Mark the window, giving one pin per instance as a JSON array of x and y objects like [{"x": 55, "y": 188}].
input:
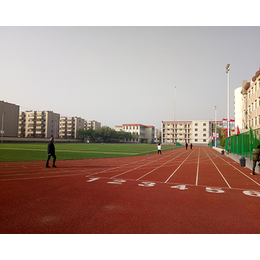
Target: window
[
  {"x": 204, "y": 124},
  {"x": 204, "y": 129},
  {"x": 196, "y": 124},
  {"x": 196, "y": 129},
  {"x": 204, "y": 140}
]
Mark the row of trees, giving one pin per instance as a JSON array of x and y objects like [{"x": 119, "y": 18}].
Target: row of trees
[{"x": 106, "y": 134}]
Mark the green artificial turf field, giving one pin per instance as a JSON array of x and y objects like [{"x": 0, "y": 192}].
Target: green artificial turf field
[{"x": 13, "y": 152}]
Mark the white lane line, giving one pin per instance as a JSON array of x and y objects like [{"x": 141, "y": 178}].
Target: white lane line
[
  {"x": 198, "y": 166},
  {"x": 218, "y": 170},
  {"x": 161, "y": 157},
  {"x": 179, "y": 166}
]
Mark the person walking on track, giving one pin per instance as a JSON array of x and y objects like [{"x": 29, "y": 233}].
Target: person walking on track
[
  {"x": 187, "y": 146},
  {"x": 191, "y": 146},
  {"x": 159, "y": 148},
  {"x": 256, "y": 158},
  {"x": 51, "y": 152}
]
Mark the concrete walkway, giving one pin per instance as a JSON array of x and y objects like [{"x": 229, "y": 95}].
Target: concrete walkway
[{"x": 235, "y": 157}]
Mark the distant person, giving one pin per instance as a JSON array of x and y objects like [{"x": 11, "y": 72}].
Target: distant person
[
  {"x": 51, "y": 152},
  {"x": 186, "y": 146},
  {"x": 159, "y": 149},
  {"x": 256, "y": 158},
  {"x": 191, "y": 146}
]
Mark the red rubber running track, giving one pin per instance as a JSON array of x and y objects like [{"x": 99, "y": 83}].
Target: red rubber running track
[{"x": 196, "y": 191}]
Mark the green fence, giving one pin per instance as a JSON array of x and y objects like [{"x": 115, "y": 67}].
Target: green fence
[{"x": 243, "y": 144}]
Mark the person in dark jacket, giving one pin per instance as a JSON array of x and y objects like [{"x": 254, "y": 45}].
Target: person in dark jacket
[
  {"x": 256, "y": 158},
  {"x": 51, "y": 152}
]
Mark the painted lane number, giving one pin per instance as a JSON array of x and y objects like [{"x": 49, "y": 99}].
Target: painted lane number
[
  {"x": 180, "y": 187},
  {"x": 116, "y": 182},
  {"x": 147, "y": 184}
]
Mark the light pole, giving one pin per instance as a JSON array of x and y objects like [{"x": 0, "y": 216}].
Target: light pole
[
  {"x": 215, "y": 126},
  {"x": 227, "y": 71},
  {"x": 174, "y": 117},
  {"x": 2, "y": 132}
]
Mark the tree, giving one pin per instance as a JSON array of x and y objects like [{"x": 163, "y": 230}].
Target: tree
[
  {"x": 104, "y": 133},
  {"x": 81, "y": 133}
]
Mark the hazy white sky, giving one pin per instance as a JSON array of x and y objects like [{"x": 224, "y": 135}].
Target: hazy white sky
[{"x": 119, "y": 74}]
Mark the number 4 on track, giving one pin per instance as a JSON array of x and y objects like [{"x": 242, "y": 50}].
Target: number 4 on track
[{"x": 180, "y": 187}]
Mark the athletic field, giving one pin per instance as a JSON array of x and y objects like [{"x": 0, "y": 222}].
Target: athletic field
[
  {"x": 18, "y": 152},
  {"x": 196, "y": 191}
]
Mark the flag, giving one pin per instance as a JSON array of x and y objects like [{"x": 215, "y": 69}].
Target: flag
[
  {"x": 232, "y": 125},
  {"x": 238, "y": 132}
]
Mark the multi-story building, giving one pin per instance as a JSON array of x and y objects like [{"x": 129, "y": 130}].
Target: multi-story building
[
  {"x": 176, "y": 131},
  {"x": 92, "y": 124},
  {"x": 251, "y": 103},
  {"x": 39, "y": 124},
  {"x": 197, "y": 132},
  {"x": 9, "y": 119},
  {"x": 157, "y": 135},
  {"x": 238, "y": 104},
  {"x": 139, "y": 132},
  {"x": 69, "y": 127}
]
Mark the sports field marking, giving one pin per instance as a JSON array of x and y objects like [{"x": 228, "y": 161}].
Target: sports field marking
[
  {"x": 197, "y": 175},
  {"x": 179, "y": 166},
  {"x": 179, "y": 186},
  {"x": 137, "y": 167},
  {"x": 154, "y": 169},
  {"x": 218, "y": 169},
  {"x": 160, "y": 158}
]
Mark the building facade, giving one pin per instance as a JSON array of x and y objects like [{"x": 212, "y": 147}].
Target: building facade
[
  {"x": 176, "y": 131},
  {"x": 197, "y": 132},
  {"x": 92, "y": 124},
  {"x": 140, "y": 132},
  {"x": 238, "y": 103},
  {"x": 9, "y": 119},
  {"x": 251, "y": 103},
  {"x": 43, "y": 124},
  {"x": 69, "y": 127}
]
